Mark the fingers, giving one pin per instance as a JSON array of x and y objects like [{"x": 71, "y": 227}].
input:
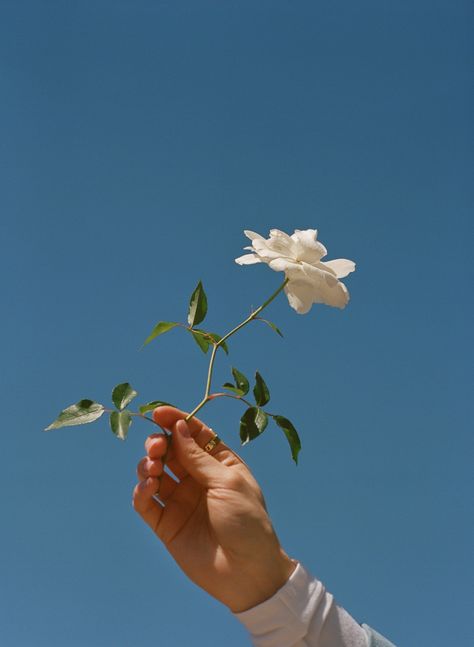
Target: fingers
[
  {"x": 158, "y": 444},
  {"x": 144, "y": 503},
  {"x": 153, "y": 482},
  {"x": 185, "y": 454},
  {"x": 156, "y": 448},
  {"x": 167, "y": 417},
  {"x": 166, "y": 488},
  {"x": 147, "y": 468},
  {"x": 203, "y": 467}
]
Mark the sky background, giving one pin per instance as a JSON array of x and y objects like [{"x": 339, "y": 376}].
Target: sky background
[{"x": 138, "y": 140}]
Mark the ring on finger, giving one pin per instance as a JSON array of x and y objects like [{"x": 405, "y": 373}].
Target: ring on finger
[{"x": 215, "y": 440}]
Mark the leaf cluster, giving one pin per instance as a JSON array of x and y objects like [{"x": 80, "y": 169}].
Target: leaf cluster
[
  {"x": 253, "y": 422},
  {"x": 255, "y": 419},
  {"x": 197, "y": 312},
  {"x": 86, "y": 411}
]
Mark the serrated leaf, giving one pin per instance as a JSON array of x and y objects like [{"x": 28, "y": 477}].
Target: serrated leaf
[
  {"x": 197, "y": 306},
  {"x": 120, "y": 422},
  {"x": 233, "y": 388},
  {"x": 150, "y": 406},
  {"x": 291, "y": 435},
  {"x": 260, "y": 391},
  {"x": 201, "y": 340},
  {"x": 122, "y": 395},
  {"x": 272, "y": 326},
  {"x": 252, "y": 424},
  {"x": 80, "y": 413},
  {"x": 160, "y": 328},
  {"x": 241, "y": 381}
]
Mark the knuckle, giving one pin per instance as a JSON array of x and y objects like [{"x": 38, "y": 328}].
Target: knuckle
[
  {"x": 151, "y": 438},
  {"x": 153, "y": 468},
  {"x": 156, "y": 447},
  {"x": 234, "y": 481},
  {"x": 142, "y": 466}
]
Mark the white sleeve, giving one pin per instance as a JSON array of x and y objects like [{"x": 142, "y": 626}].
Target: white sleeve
[{"x": 302, "y": 614}]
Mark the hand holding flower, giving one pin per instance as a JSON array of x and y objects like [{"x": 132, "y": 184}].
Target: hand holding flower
[
  {"x": 308, "y": 280},
  {"x": 214, "y": 521}
]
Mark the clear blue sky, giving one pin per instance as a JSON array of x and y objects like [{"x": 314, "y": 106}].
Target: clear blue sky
[{"x": 138, "y": 140}]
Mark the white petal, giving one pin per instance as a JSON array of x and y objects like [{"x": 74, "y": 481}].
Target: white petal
[
  {"x": 337, "y": 296},
  {"x": 306, "y": 247},
  {"x": 325, "y": 286},
  {"x": 248, "y": 259},
  {"x": 252, "y": 235},
  {"x": 300, "y": 296},
  {"x": 265, "y": 251},
  {"x": 281, "y": 243},
  {"x": 340, "y": 266},
  {"x": 283, "y": 265},
  {"x": 305, "y": 234},
  {"x": 274, "y": 233},
  {"x": 324, "y": 267}
]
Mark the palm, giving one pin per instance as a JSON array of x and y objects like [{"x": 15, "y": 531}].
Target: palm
[{"x": 199, "y": 528}]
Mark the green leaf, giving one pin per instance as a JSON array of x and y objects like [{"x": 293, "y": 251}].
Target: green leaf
[
  {"x": 149, "y": 406},
  {"x": 122, "y": 395},
  {"x": 233, "y": 388},
  {"x": 160, "y": 328},
  {"x": 252, "y": 424},
  {"x": 291, "y": 435},
  {"x": 241, "y": 381},
  {"x": 197, "y": 306},
  {"x": 272, "y": 326},
  {"x": 201, "y": 340},
  {"x": 260, "y": 391},
  {"x": 120, "y": 422},
  {"x": 80, "y": 413},
  {"x": 216, "y": 338}
]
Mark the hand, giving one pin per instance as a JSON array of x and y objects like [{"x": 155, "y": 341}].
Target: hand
[{"x": 214, "y": 521}]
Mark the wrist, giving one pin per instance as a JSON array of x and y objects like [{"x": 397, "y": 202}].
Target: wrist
[{"x": 263, "y": 582}]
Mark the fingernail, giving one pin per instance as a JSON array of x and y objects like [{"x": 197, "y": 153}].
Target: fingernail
[{"x": 183, "y": 429}]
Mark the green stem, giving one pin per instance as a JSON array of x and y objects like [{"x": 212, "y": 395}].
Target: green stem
[
  {"x": 230, "y": 395},
  {"x": 216, "y": 345}
]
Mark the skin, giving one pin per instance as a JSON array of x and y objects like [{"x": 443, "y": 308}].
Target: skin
[{"x": 214, "y": 520}]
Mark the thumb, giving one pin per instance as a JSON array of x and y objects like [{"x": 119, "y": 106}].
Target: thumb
[{"x": 198, "y": 463}]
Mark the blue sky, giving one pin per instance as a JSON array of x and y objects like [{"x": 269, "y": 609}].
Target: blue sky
[{"x": 138, "y": 140}]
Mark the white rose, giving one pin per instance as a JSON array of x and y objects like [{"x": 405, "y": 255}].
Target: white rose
[{"x": 309, "y": 279}]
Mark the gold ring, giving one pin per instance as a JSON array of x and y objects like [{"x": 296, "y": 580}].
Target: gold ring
[{"x": 209, "y": 446}]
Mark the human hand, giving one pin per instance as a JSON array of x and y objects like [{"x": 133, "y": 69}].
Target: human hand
[{"x": 214, "y": 521}]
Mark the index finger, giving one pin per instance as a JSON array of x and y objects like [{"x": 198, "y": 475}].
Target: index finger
[{"x": 167, "y": 417}]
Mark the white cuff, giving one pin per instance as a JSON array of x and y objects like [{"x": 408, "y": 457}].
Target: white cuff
[{"x": 302, "y": 614}]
